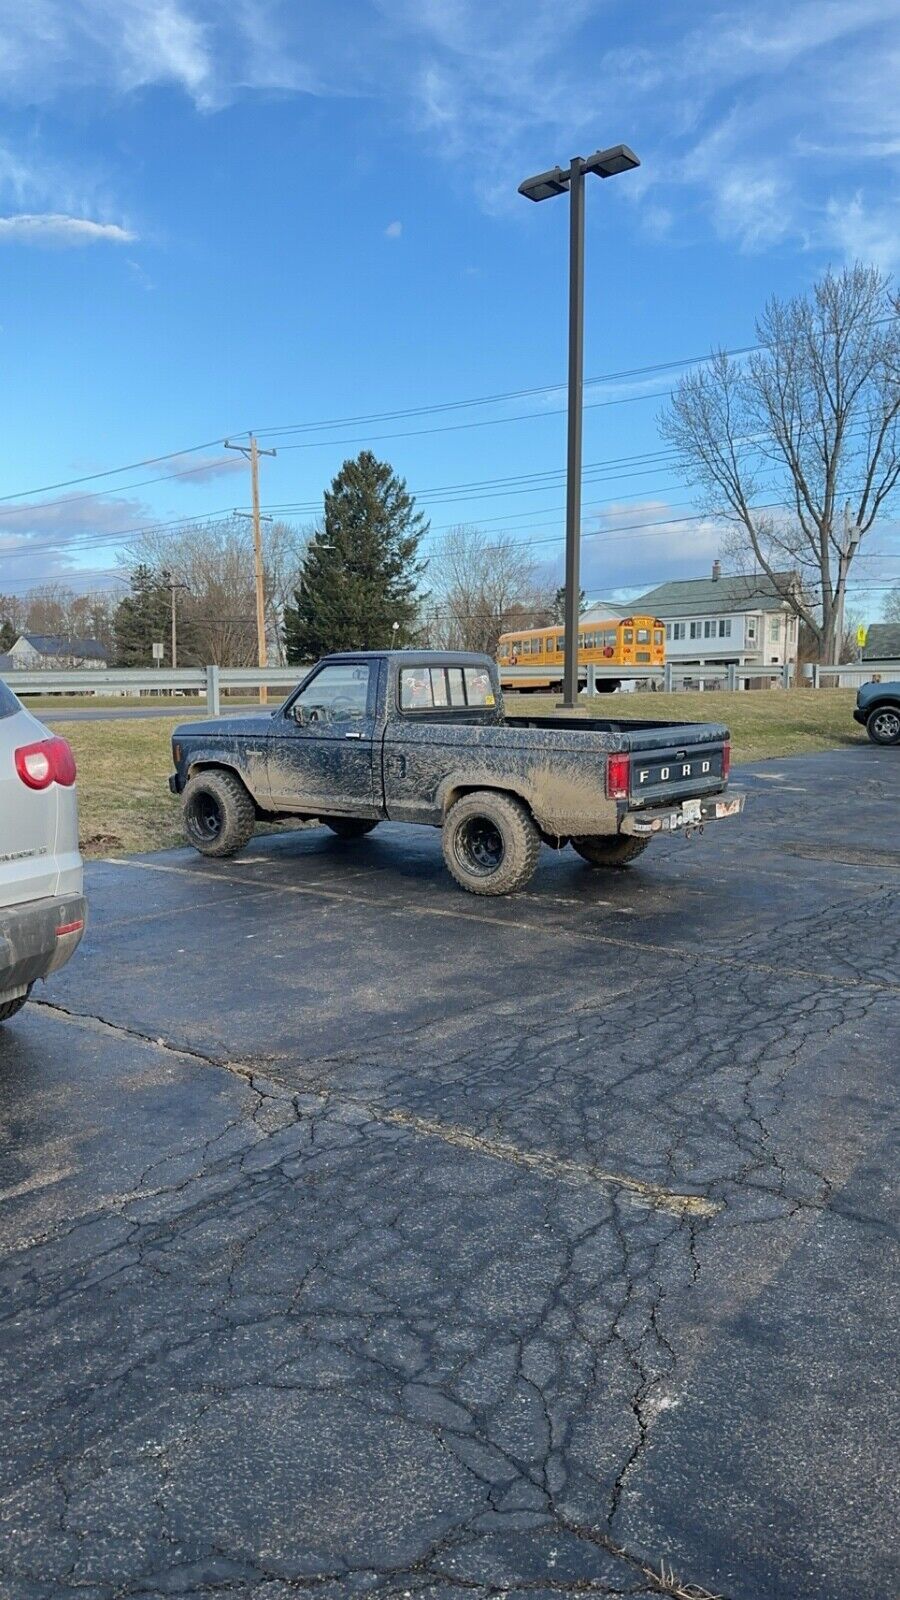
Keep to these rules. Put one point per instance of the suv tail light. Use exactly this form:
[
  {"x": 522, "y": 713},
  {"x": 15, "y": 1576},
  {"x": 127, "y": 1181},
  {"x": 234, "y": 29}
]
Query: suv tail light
[
  {"x": 726, "y": 758},
  {"x": 618, "y": 774},
  {"x": 48, "y": 761}
]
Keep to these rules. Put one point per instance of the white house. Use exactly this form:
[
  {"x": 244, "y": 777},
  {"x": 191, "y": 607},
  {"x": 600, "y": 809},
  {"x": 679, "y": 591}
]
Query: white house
[
  {"x": 37, "y": 652},
  {"x": 734, "y": 617}
]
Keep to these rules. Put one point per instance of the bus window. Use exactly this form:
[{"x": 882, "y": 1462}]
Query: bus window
[
  {"x": 588, "y": 642},
  {"x": 628, "y": 635},
  {"x": 643, "y": 636},
  {"x": 657, "y": 636}
]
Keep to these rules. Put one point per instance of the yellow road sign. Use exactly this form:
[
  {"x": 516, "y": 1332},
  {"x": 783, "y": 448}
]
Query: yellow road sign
[{"x": 861, "y": 636}]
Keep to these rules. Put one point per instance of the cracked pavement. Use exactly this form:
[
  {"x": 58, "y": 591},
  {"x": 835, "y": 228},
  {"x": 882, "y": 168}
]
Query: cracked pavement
[{"x": 364, "y": 1238}]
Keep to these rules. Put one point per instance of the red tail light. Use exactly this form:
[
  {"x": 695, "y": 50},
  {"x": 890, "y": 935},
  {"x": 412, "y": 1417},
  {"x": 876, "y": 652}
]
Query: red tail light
[
  {"x": 48, "y": 761},
  {"x": 726, "y": 758},
  {"x": 618, "y": 774}
]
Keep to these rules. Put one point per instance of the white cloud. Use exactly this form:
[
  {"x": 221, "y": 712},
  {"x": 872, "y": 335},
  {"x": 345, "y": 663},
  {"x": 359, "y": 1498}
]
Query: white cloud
[
  {"x": 203, "y": 469},
  {"x": 55, "y": 229},
  {"x": 393, "y": 230},
  {"x": 66, "y": 516},
  {"x": 754, "y": 115}
]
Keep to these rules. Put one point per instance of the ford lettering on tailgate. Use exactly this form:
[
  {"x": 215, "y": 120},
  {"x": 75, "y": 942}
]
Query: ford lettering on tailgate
[{"x": 677, "y": 769}]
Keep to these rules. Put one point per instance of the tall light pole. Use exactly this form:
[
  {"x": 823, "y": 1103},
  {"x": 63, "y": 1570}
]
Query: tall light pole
[{"x": 605, "y": 164}]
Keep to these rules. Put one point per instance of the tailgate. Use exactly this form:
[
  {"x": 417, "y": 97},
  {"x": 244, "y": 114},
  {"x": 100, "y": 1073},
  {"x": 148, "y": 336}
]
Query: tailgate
[{"x": 679, "y": 769}]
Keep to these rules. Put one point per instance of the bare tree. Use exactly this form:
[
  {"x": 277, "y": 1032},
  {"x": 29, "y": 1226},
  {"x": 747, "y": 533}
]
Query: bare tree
[
  {"x": 481, "y": 587},
  {"x": 215, "y": 561},
  {"x": 798, "y": 448},
  {"x": 890, "y": 611}
]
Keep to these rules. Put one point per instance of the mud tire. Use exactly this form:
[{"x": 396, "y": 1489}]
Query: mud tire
[
  {"x": 610, "y": 850},
  {"x": 883, "y": 725},
  {"x": 349, "y": 827},
  {"x": 9, "y": 1008},
  {"x": 218, "y": 814},
  {"x": 490, "y": 843}
]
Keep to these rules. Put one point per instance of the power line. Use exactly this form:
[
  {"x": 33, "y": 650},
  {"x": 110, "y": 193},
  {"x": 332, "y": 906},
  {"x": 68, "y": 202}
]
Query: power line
[{"x": 381, "y": 416}]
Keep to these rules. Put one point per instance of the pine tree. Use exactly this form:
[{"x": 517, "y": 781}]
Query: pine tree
[
  {"x": 8, "y": 636},
  {"x": 361, "y": 573},
  {"x": 559, "y": 604},
  {"x": 140, "y": 618}
]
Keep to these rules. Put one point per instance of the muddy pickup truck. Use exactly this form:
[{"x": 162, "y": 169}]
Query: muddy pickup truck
[{"x": 422, "y": 736}]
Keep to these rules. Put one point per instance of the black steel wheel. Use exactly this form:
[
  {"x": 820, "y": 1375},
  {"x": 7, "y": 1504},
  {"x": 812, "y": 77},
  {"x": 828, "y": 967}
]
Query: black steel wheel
[
  {"x": 610, "y": 850},
  {"x": 349, "y": 827},
  {"x": 490, "y": 843},
  {"x": 218, "y": 813}
]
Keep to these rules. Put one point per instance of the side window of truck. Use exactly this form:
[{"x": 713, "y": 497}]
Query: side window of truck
[{"x": 338, "y": 693}]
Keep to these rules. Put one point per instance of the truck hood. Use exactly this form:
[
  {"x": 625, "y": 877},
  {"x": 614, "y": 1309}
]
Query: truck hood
[{"x": 241, "y": 726}]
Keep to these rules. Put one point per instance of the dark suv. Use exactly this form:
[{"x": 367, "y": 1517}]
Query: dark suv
[{"x": 878, "y": 709}]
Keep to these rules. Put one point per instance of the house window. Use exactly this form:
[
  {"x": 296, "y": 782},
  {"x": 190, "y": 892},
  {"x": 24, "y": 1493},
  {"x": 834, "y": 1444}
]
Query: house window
[
  {"x": 695, "y": 630},
  {"x": 774, "y": 628},
  {"x": 678, "y": 630},
  {"x": 668, "y": 630},
  {"x": 725, "y": 628},
  {"x": 751, "y": 628},
  {"x": 709, "y": 629}
]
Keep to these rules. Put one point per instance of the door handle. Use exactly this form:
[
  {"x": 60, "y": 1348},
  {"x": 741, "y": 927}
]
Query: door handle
[{"x": 352, "y": 735}]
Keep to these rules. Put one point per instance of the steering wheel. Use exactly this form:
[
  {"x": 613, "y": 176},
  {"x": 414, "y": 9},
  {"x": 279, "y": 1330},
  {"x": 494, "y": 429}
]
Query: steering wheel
[{"x": 342, "y": 703}]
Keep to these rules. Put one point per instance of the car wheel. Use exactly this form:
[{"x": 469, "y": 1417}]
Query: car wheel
[
  {"x": 490, "y": 843},
  {"x": 610, "y": 850},
  {"x": 349, "y": 827},
  {"x": 218, "y": 813},
  {"x": 9, "y": 1008},
  {"x": 883, "y": 725}
]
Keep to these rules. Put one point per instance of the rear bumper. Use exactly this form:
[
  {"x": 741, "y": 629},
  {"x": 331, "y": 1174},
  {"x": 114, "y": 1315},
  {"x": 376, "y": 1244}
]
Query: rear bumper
[
  {"x": 687, "y": 814},
  {"x": 37, "y": 938}
]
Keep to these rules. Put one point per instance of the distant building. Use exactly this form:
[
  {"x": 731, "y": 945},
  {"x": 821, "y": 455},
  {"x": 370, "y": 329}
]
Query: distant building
[
  {"x": 734, "y": 617},
  {"x": 37, "y": 652},
  {"x": 882, "y": 642},
  {"x": 599, "y": 610}
]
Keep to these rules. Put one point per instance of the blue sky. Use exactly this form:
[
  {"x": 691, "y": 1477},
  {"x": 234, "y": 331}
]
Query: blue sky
[{"x": 218, "y": 215}]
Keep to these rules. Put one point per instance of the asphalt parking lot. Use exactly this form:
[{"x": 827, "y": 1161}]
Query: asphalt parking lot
[{"x": 364, "y": 1238}]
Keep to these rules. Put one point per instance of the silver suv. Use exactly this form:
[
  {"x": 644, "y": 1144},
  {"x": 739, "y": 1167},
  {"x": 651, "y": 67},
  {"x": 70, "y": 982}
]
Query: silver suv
[{"x": 42, "y": 906}]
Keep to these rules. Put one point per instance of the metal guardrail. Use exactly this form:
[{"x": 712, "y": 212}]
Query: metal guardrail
[
  {"x": 211, "y": 681},
  {"x": 206, "y": 681}
]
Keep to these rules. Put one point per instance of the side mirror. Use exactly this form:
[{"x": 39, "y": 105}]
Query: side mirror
[{"x": 299, "y": 714}]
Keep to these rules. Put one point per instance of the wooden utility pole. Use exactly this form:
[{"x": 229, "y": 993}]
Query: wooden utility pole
[
  {"x": 252, "y": 453},
  {"x": 171, "y": 585}
]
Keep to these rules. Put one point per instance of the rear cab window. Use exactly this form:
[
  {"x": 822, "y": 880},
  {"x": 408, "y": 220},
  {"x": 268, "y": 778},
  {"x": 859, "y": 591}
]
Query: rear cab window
[
  {"x": 9, "y": 705},
  {"x": 443, "y": 688}
]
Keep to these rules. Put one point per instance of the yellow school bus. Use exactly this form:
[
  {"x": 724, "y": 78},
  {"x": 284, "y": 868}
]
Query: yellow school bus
[{"x": 622, "y": 641}]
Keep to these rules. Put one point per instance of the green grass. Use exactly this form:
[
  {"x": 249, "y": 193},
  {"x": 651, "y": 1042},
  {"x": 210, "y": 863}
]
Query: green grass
[
  {"x": 764, "y": 723},
  {"x": 123, "y": 767}
]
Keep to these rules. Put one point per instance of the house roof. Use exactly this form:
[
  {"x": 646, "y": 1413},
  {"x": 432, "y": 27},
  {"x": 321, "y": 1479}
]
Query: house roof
[
  {"x": 600, "y": 610},
  {"x": 56, "y": 644},
  {"x": 882, "y": 642},
  {"x": 686, "y": 597}
]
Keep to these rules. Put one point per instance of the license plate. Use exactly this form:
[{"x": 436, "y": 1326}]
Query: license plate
[{"x": 690, "y": 811}]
